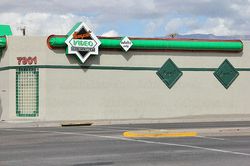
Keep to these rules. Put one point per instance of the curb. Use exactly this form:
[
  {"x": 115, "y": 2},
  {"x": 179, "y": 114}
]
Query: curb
[
  {"x": 161, "y": 133},
  {"x": 158, "y": 134}
]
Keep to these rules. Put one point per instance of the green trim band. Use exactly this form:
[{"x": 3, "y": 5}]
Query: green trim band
[
  {"x": 54, "y": 41},
  {"x": 112, "y": 68},
  {"x": 175, "y": 44}
]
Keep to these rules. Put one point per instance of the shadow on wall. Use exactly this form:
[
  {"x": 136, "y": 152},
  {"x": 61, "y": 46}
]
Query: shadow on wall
[
  {"x": 1, "y": 108},
  {"x": 92, "y": 60},
  {"x": 2, "y": 52},
  {"x": 73, "y": 59}
]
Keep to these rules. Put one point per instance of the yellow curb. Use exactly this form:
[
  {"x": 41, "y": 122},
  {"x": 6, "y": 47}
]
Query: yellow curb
[{"x": 157, "y": 134}]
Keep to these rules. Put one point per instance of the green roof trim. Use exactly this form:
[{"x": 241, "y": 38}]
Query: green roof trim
[
  {"x": 161, "y": 44},
  {"x": 57, "y": 41},
  {"x": 186, "y": 45},
  {"x": 74, "y": 28},
  {"x": 176, "y": 44},
  {"x": 5, "y": 30},
  {"x": 3, "y": 42}
]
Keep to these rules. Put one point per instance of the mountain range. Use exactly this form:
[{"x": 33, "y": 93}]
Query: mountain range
[{"x": 211, "y": 36}]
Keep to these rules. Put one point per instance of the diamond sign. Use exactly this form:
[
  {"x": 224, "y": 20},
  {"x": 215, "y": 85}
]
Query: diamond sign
[
  {"x": 226, "y": 74},
  {"x": 169, "y": 73},
  {"x": 82, "y": 42},
  {"x": 126, "y": 43}
]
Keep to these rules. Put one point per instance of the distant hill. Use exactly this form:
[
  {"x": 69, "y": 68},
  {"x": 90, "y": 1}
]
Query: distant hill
[{"x": 211, "y": 36}]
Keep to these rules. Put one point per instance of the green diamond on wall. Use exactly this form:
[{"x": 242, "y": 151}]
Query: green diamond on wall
[
  {"x": 226, "y": 74},
  {"x": 169, "y": 73}
]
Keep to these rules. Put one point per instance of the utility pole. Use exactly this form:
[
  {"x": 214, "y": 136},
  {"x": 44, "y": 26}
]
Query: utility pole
[
  {"x": 172, "y": 35},
  {"x": 23, "y": 29}
]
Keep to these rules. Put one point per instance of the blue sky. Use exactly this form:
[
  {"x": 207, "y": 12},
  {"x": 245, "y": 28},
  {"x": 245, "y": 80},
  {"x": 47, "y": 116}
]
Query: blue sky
[{"x": 141, "y": 18}]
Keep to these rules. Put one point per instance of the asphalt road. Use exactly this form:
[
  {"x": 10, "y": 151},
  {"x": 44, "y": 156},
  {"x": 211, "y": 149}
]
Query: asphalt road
[{"x": 105, "y": 146}]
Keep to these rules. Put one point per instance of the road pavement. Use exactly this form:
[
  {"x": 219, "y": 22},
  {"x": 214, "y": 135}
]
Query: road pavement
[{"x": 106, "y": 146}]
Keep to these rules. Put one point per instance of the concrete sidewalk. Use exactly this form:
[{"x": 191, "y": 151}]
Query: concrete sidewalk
[
  {"x": 24, "y": 124},
  {"x": 180, "y": 120}
]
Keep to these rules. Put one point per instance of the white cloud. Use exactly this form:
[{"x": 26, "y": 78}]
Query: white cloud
[
  {"x": 174, "y": 25},
  {"x": 181, "y": 25},
  {"x": 216, "y": 26},
  {"x": 42, "y": 23},
  {"x": 58, "y": 16},
  {"x": 153, "y": 26},
  {"x": 111, "y": 33}
]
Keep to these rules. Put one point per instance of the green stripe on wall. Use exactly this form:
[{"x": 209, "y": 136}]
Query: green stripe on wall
[
  {"x": 197, "y": 69},
  {"x": 112, "y": 68}
]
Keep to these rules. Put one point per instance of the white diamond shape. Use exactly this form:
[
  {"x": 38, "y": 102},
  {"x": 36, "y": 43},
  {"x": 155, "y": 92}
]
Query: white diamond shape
[
  {"x": 94, "y": 38},
  {"x": 126, "y": 43}
]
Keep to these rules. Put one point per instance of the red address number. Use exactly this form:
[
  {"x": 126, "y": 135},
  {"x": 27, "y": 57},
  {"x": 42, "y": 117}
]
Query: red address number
[{"x": 26, "y": 60}]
